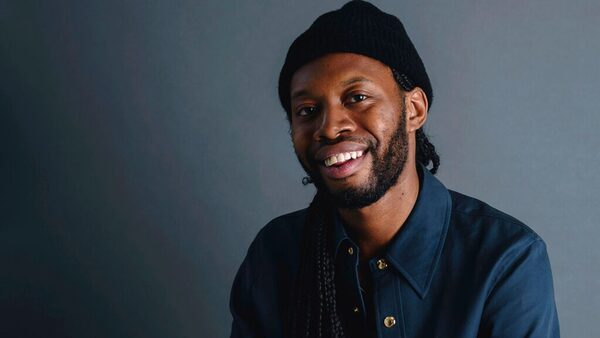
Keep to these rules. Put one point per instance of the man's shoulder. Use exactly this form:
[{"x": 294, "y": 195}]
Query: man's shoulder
[
  {"x": 281, "y": 227},
  {"x": 280, "y": 237},
  {"x": 481, "y": 223},
  {"x": 493, "y": 241},
  {"x": 508, "y": 262}
]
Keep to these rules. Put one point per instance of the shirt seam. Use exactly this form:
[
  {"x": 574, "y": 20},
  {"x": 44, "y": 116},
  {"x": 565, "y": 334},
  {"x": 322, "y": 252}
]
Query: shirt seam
[
  {"x": 503, "y": 268},
  {"x": 500, "y": 217},
  {"x": 439, "y": 247}
]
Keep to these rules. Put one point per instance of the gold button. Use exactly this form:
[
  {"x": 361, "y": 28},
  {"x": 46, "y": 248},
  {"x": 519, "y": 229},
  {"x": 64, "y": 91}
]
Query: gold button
[
  {"x": 350, "y": 251},
  {"x": 389, "y": 321},
  {"x": 381, "y": 264},
  {"x": 355, "y": 310}
]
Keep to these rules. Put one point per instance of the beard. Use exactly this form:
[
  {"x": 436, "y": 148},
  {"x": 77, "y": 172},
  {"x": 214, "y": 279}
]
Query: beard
[{"x": 387, "y": 165}]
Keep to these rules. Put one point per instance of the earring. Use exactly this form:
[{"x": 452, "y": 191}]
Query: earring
[{"x": 306, "y": 180}]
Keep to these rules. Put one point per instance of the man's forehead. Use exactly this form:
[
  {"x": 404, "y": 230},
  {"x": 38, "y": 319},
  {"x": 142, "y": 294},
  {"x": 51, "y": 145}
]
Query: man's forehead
[
  {"x": 299, "y": 89},
  {"x": 340, "y": 69},
  {"x": 362, "y": 28}
]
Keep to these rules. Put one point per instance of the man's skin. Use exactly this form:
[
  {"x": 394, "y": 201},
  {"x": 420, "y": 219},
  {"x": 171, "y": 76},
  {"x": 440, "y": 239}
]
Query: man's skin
[{"x": 345, "y": 95}]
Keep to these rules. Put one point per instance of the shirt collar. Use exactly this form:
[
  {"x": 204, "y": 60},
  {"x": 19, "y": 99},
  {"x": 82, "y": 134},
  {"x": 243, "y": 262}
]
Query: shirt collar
[{"x": 415, "y": 249}]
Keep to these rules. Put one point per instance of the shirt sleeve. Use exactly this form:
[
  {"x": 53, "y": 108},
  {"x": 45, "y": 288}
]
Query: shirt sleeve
[{"x": 521, "y": 303}]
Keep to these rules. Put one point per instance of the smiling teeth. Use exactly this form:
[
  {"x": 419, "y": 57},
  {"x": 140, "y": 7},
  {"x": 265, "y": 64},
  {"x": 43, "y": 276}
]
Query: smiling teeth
[{"x": 342, "y": 157}]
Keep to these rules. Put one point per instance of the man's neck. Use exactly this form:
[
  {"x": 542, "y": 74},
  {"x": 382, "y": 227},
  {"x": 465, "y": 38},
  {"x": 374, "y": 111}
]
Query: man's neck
[{"x": 372, "y": 227}]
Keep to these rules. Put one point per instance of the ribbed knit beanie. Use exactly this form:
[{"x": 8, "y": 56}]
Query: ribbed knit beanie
[{"x": 361, "y": 28}]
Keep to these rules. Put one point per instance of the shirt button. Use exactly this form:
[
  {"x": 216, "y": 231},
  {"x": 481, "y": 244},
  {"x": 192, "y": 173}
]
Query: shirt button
[
  {"x": 389, "y": 321},
  {"x": 381, "y": 264},
  {"x": 350, "y": 251},
  {"x": 355, "y": 310}
]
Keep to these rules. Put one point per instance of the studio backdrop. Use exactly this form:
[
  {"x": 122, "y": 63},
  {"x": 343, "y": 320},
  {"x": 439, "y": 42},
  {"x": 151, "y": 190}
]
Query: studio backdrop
[{"x": 143, "y": 147}]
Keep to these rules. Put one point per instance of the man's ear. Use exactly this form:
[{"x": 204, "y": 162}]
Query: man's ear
[{"x": 416, "y": 109}]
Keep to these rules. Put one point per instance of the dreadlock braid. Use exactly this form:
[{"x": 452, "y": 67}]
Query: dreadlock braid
[
  {"x": 426, "y": 153},
  {"x": 314, "y": 308},
  {"x": 327, "y": 284}
]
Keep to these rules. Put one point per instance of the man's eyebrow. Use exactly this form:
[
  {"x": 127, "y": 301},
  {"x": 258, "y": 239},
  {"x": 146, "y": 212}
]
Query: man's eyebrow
[
  {"x": 345, "y": 83},
  {"x": 299, "y": 93},
  {"x": 354, "y": 80}
]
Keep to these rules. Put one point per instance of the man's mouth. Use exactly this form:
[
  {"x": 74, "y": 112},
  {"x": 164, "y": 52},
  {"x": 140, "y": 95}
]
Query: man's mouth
[
  {"x": 341, "y": 158},
  {"x": 342, "y": 165}
]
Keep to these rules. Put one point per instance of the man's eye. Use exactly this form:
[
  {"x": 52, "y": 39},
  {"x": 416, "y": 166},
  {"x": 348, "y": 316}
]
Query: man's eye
[
  {"x": 357, "y": 98},
  {"x": 306, "y": 111}
]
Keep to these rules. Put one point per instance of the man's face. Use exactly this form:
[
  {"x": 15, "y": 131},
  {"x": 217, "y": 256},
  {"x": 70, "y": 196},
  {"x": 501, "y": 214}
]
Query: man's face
[{"x": 348, "y": 127}]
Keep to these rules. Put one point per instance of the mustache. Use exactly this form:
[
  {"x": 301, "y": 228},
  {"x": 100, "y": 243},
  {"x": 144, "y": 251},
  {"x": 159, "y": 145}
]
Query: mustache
[{"x": 356, "y": 139}]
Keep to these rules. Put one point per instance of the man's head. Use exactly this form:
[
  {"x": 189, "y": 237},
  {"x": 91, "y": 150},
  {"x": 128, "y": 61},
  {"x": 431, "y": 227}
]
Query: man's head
[
  {"x": 346, "y": 86},
  {"x": 350, "y": 126}
]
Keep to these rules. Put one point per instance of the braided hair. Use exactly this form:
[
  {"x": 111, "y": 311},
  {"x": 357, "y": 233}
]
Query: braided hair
[
  {"x": 426, "y": 153},
  {"x": 313, "y": 308}
]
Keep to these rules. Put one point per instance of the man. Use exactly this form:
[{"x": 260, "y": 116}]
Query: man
[{"x": 384, "y": 249}]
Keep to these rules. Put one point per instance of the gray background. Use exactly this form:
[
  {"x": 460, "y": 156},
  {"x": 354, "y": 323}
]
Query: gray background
[{"x": 143, "y": 147}]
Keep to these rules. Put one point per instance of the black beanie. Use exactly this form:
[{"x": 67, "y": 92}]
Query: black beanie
[{"x": 361, "y": 28}]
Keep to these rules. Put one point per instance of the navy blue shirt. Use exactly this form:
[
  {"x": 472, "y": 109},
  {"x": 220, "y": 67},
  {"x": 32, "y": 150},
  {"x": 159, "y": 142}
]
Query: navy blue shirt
[{"x": 456, "y": 268}]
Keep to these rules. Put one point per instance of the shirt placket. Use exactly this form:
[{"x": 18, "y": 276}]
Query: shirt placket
[
  {"x": 389, "y": 320},
  {"x": 353, "y": 305}
]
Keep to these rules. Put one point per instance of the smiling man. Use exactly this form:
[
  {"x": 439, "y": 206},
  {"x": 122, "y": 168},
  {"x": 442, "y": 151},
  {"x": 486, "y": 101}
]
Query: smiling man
[{"x": 384, "y": 249}]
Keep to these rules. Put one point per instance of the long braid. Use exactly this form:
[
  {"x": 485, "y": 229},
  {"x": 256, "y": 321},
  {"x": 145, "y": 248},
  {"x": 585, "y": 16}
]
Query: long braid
[
  {"x": 426, "y": 153},
  {"x": 313, "y": 310},
  {"x": 328, "y": 269},
  {"x": 319, "y": 276},
  {"x": 326, "y": 282}
]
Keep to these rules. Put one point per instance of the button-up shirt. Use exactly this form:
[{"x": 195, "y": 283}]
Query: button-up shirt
[{"x": 456, "y": 268}]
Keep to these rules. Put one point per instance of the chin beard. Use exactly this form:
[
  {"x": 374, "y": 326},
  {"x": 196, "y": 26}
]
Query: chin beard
[{"x": 385, "y": 170}]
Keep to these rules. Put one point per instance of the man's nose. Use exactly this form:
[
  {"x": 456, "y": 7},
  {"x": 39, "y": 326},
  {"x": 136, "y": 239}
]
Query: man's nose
[{"x": 334, "y": 120}]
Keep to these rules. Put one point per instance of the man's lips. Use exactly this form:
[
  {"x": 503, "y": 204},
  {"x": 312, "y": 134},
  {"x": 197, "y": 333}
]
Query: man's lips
[
  {"x": 341, "y": 151},
  {"x": 340, "y": 158},
  {"x": 342, "y": 170}
]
